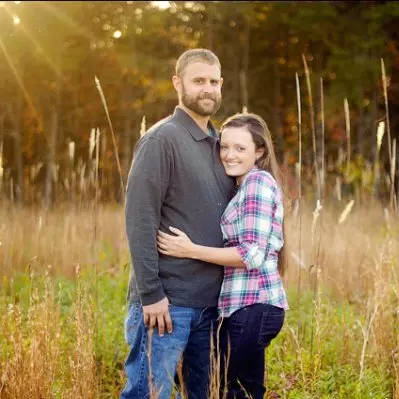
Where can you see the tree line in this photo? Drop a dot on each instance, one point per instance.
(55, 141)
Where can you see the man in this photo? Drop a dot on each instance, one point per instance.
(176, 179)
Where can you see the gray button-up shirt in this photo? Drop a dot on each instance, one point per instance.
(176, 179)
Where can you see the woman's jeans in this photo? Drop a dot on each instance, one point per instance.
(190, 340)
(246, 334)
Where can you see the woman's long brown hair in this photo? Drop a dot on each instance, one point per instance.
(261, 136)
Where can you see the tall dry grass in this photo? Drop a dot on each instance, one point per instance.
(32, 238)
(57, 348)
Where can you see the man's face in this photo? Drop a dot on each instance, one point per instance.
(200, 88)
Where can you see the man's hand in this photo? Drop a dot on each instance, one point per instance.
(158, 314)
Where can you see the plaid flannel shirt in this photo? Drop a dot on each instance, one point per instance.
(252, 222)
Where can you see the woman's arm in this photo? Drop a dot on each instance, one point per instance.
(254, 235)
(181, 246)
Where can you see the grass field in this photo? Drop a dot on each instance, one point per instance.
(62, 305)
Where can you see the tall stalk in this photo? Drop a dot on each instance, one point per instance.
(298, 93)
(385, 88)
(312, 124)
(323, 164)
(348, 138)
(98, 85)
(391, 152)
(393, 168)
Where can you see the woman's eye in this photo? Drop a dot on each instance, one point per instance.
(241, 149)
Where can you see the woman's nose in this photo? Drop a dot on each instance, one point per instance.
(229, 154)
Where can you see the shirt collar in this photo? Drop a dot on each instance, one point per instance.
(254, 169)
(188, 122)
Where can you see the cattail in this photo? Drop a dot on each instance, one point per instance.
(346, 211)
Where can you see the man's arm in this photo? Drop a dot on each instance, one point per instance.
(146, 188)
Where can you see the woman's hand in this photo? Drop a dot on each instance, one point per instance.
(179, 246)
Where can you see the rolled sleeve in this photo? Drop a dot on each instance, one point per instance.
(256, 216)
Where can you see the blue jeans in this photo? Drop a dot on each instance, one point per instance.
(190, 340)
(245, 335)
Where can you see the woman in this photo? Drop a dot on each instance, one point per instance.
(252, 299)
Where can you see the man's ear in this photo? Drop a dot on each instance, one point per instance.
(176, 83)
(221, 82)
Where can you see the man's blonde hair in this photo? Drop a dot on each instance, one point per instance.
(195, 55)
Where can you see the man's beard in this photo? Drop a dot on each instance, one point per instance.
(193, 103)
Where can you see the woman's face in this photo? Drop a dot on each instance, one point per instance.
(238, 152)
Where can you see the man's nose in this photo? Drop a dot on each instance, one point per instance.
(208, 88)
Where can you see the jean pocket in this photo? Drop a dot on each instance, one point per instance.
(271, 324)
(240, 317)
(132, 322)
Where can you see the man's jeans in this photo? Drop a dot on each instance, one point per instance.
(190, 339)
(245, 335)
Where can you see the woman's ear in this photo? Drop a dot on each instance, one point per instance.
(259, 153)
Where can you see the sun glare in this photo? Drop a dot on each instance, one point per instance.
(117, 34)
(163, 5)
(16, 20)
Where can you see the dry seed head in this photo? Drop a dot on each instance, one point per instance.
(71, 150)
(316, 214)
(346, 211)
(142, 127)
(40, 223)
(393, 163)
(380, 134)
(92, 142)
(56, 169)
(297, 169)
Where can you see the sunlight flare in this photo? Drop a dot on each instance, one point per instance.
(117, 34)
(18, 78)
